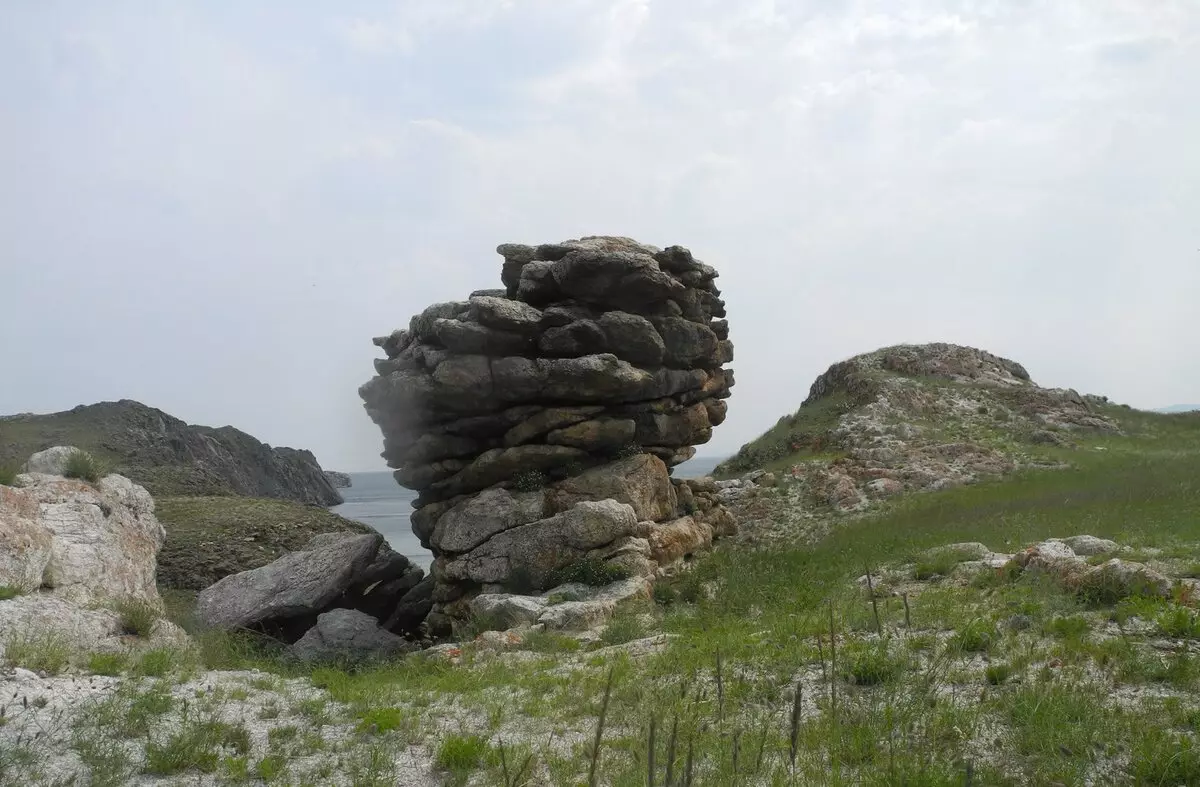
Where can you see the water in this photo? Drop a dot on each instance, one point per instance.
(698, 466)
(377, 500)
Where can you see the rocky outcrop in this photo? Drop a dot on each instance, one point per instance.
(334, 571)
(75, 553)
(170, 457)
(912, 418)
(539, 423)
(339, 480)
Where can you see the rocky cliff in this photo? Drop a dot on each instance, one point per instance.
(170, 457)
(339, 480)
(913, 418)
(538, 422)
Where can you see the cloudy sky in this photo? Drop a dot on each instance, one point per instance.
(213, 207)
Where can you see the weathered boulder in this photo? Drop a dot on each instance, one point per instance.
(536, 550)
(1116, 579)
(296, 585)
(1086, 546)
(77, 552)
(52, 461)
(87, 542)
(347, 635)
(641, 481)
(478, 518)
(670, 541)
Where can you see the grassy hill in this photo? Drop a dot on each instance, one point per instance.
(170, 457)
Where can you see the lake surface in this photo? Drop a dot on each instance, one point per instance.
(377, 500)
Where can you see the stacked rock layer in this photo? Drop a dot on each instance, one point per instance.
(538, 422)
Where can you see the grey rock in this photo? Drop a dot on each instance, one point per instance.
(505, 314)
(582, 337)
(640, 481)
(547, 420)
(1087, 546)
(539, 548)
(601, 436)
(687, 343)
(347, 635)
(297, 584)
(633, 338)
(52, 461)
(469, 338)
(509, 610)
(482, 516)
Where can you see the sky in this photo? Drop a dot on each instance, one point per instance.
(213, 207)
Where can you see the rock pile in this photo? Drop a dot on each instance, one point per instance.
(538, 422)
(347, 593)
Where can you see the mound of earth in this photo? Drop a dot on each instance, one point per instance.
(917, 418)
(209, 538)
(170, 457)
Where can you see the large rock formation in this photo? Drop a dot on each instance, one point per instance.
(538, 422)
(73, 554)
(170, 457)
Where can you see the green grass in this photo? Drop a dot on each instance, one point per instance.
(40, 652)
(111, 664)
(802, 435)
(462, 755)
(197, 747)
(9, 471)
(9, 591)
(587, 571)
(84, 466)
(138, 618)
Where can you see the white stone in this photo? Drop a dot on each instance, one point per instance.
(1090, 545)
(52, 461)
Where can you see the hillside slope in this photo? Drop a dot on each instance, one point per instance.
(917, 418)
(170, 457)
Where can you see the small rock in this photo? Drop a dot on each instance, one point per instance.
(1117, 579)
(1090, 545)
(22, 675)
(1018, 622)
(884, 487)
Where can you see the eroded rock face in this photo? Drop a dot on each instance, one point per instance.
(539, 423)
(75, 552)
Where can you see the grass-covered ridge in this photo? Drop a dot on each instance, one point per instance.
(211, 537)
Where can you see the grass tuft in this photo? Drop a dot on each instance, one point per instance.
(44, 652)
(137, 617)
(8, 473)
(84, 466)
(587, 571)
